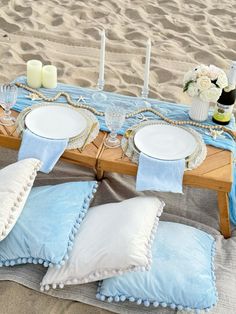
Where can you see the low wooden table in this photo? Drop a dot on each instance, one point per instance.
(215, 173)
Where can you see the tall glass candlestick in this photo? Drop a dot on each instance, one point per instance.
(142, 102)
(99, 96)
(100, 84)
(146, 70)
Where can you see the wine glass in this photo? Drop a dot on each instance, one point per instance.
(8, 96)
(114, 118)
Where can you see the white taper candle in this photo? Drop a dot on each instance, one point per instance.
(147, 65)
(102, 56)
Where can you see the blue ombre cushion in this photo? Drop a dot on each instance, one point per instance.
(45, 231)
(181, 277)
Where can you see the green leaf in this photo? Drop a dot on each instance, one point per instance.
(185, 88)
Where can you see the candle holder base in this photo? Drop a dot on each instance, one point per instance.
(99, 96)
(100, 85)
(142, 101)
(7, 120)
(144, 93)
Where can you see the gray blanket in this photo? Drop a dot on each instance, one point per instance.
(196, 207)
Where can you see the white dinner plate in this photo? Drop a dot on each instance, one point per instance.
(55, 122)
(165, 142)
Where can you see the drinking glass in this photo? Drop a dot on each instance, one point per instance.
(8, 96)
(114, 118)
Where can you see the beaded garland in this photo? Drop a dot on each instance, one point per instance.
(37, 95)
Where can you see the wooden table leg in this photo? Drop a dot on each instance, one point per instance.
(223, 204)
(100, 174)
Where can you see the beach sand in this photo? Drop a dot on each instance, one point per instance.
(66, 33)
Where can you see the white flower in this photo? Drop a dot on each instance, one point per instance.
(206, 82)
(222, 80)
(203, 83)
(202, 70)
(192, 90)
(214, 72)
(189, 76)
(211, 94)
(229, 88)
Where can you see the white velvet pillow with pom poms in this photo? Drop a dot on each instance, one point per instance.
(16, 181)
(113, 239)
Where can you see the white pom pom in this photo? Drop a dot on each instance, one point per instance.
(155, 304)
(47, 287)
(102, 298)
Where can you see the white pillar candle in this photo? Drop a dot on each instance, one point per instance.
(102, 57)
(147, 65)
(34, 73)
(49, 76)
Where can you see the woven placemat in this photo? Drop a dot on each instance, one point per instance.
(192, 161)
(74, 142)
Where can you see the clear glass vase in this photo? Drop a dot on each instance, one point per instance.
(199, 109)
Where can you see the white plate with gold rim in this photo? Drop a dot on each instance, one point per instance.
(56, 122)
(166, 142)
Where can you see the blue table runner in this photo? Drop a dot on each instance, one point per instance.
(170, 110)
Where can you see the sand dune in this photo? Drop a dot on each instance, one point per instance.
(66, 33)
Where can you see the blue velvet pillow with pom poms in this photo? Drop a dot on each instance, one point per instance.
(45, 231)
(181, 276)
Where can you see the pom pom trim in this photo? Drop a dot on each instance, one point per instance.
(105, 273)
(46, 263)
(155, 303)
(13, 214)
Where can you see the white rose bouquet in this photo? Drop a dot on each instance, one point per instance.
(205, 82)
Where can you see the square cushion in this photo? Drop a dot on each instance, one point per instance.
(45, 231)
(114, 238)
(181, 277)
(16, 181)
